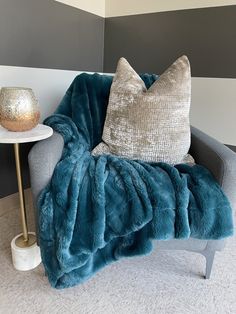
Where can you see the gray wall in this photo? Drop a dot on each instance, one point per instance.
(153, 41)
(47, 34)
(8, 182)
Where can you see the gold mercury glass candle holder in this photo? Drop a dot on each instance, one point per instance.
(19, 109)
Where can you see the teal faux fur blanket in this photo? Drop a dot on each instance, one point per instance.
(97, 210)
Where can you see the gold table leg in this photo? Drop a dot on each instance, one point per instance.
(26, 239)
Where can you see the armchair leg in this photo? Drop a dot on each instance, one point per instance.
(209, 255)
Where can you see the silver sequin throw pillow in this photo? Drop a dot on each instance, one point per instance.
(150, 125)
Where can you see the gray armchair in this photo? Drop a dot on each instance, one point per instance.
(219, 159)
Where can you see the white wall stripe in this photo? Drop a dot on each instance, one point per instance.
(49, 85)
(112, 8)
(132, 7)
(213, 108)
(93, 6)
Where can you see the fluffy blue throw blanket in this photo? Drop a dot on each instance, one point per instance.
(97, 210)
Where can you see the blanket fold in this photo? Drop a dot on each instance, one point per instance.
(98, 209)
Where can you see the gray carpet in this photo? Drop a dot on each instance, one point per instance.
(163, 283)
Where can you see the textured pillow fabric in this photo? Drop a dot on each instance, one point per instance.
(150, 125)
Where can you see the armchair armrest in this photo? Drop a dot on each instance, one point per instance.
(218, 158)
(42, 159)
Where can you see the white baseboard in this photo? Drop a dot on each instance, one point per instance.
(11, 202)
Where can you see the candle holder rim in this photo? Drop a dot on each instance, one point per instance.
(16, 88)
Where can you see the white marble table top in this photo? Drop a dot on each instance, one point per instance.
(38, 133)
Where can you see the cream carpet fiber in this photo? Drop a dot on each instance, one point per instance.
(162, 283)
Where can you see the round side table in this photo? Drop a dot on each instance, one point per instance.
(25, 252)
